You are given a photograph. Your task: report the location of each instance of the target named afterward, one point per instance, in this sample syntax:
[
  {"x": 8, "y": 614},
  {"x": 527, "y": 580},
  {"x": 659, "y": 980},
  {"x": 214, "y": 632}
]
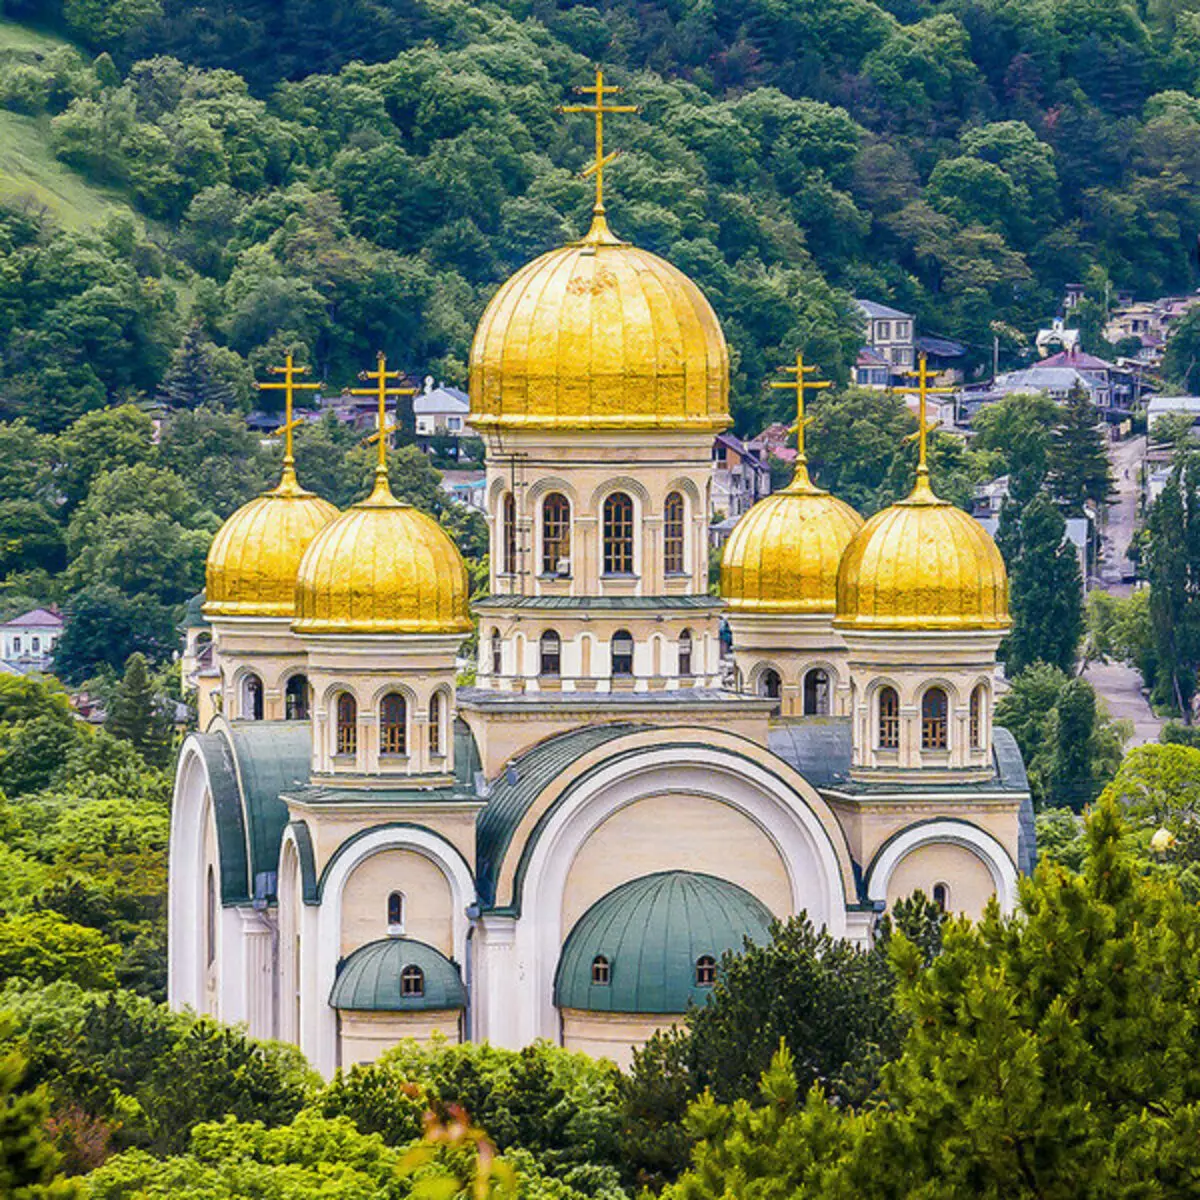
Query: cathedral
[{"x": 366, "y": 849}]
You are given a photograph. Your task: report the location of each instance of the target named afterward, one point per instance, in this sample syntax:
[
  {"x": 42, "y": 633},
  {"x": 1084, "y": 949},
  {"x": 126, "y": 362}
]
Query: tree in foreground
[
  {"x": 1080, "y": 471},
  {"x": 1049, "y": 1055}
]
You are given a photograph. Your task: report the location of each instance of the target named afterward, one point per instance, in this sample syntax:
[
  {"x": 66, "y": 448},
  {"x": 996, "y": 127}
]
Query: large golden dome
[
  {"x": 382, "y": 567},
  {"x": 922, "y": 564},
  {"x": 599, "y": 335},
  {"x": 783, "y": 555},
  {"x": 252, "y": 562}
]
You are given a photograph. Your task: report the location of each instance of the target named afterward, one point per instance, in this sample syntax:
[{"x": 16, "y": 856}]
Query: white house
[
  {"x": 28, "y": 640},
  {"x": 441, "y": 411}
]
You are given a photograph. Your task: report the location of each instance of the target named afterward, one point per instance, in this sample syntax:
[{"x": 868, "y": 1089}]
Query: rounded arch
[
  {"x": 251, "y": 692},
  {"x": 944, "y": 830},
  {"x": 822, "y": 701},
  {"x": 947, "y": 686},
  {"x": 398, "y": 686},
  {"x": 780, "y": 803},
  {"x": 545, "y": 484},
  {"x": 691, "y": 493},
  {"x": 621, "y": 483}
]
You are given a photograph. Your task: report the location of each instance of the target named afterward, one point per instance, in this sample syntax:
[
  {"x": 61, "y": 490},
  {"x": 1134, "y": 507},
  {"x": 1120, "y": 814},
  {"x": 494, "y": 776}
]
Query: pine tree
[
  {"x": 191, "y": 380},
  {"x": 1047, "y": 600},
  {"x": 1171, "y": 560},
  {"x": 1080, "y": 470},
  {"x": 136, "y": 716}
]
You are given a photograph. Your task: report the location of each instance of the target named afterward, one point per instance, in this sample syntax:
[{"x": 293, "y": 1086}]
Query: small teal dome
[
  {"x": 372, "y": 979},
  {"x": 651, "y": 933}
]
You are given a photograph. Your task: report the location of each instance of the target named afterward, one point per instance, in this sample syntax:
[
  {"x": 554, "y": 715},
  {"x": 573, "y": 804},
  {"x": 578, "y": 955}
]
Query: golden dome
[
  {"x": 252, "y": 562},
  {"x": 783, "y": 555},
  {"x": 599, "y": 335},
  {"x": 922, "y": 564},
  {"x": 382, "y": 567}
]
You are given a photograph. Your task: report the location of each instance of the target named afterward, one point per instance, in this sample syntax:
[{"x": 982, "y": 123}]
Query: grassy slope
[{"x": 28, "y": 168}]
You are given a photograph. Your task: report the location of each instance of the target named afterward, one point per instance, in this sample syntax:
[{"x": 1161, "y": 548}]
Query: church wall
[
  {"x": 611, "y": 1035},
  {"x": 428, "y": 904},
  {"x": 366, "y": 1035},
  {"x": 676, "y": 832},
  {"x": 210, "y": 928},
  {"x": 968, "y": 882},
  {"x": 262, "y": 646}
]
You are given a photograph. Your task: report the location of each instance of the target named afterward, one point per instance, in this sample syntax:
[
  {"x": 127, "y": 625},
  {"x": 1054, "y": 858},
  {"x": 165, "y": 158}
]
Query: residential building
[
  {"x": 441, "y": 411},
  {"x": 872, "y": 369},
  {"x": 28, "y": 641},
  {"x": 1057, "y": 337},
  {"x": 891, "y": 334},
  {"x": 741, "y": 476},
  {"x": 1112, "y": 386},
  {"x": 1161, "y": 406}
]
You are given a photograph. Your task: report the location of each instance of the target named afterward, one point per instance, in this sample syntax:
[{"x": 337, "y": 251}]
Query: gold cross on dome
[
  {"x": 382, "y": 393},
  {"x": 800, "y": 385},
  {"x": 924, "y": 428},
  {"x": 600, "y": 110},
  {"x": 289, "y": 386}
]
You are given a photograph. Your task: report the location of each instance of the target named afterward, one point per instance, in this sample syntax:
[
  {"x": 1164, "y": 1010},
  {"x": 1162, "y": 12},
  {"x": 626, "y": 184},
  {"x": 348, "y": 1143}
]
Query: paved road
[{"x": 1119, "y": 685}]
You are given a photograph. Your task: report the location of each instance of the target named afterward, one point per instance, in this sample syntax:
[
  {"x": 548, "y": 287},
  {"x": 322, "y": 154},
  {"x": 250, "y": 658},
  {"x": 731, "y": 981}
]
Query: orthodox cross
[
  {"x": 922, "y": 390},
  {"x": 800, "y": 385},
  {"x": 600, "y": 109},
  {"x": 289, "y": 387},
  {"x": 381, "y": 392}
]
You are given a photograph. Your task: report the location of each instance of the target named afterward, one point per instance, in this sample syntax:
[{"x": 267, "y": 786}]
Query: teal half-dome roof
[
  {"x": 651, "y": 932},
  {"x": 370, "y": 979}
]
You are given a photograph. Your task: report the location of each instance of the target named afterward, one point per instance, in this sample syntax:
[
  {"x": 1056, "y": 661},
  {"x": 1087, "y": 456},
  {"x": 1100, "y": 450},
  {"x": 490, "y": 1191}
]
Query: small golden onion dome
[
  {"x": 922, "y": 564},
  {"x": 382, "y": 567},
  {"x": 783, "y": 555},
  {"x": 252, "y": 562},
  {"x": 599, "y": 335}
]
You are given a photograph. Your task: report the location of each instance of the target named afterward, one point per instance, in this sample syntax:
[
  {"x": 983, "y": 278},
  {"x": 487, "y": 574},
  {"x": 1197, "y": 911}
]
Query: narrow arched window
[
  {"x": 934, "y": 732},
  {"x": 941, "y": 896},
  {"x": 685, "y": 654},
  {"x": 618, "y": 535},
  {"x": 601, "y": 971},
  {"x": 435, "y": 724},
  {"x": 395, "y": 912},
  {"x": 889, "y": 719},
  {"x": 210, "y": 926},
  {"x": 412, "y": 981},
  {"x": 977, "y": 718},
  {"x": 393, "y": 724},
  {"x": 551, "y": 654},
  {"x": 622, "y": 653},
  {"x": 295, "y": 698},
  {"x": 816, "y": 693},
  {"x": 706, "y": 970},
  {"x": 556, "y": 535},
  {"x": 673, "y": 538},
  {"x": 770, "y": 684},
  {"x": 347, "y": 724},
  {"x": 509, "y": 522},
  {"x": 252, "y": 698},
  {"x": 497, "y": 653}
]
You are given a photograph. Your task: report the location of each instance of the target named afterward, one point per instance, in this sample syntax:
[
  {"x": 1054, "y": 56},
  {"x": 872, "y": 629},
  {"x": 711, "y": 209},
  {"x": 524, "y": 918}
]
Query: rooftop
[
  {"x": 876, "y": 310},
  {"x": 35, "y": 618}
]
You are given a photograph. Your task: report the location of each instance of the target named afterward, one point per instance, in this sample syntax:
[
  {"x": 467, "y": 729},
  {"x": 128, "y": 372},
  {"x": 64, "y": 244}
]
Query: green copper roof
[
  {"x": 227, "y": 814},
  {"x": 370, "y": 979},
  {"x": 193, "y": 615},
  {"x": 516, "y": 790},
  {"x": 651, "y": 931}
]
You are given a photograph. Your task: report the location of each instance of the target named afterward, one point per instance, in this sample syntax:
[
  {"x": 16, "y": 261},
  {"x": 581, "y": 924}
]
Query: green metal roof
[
  {"x": 652, "y": 930},
  {"x": 514, "y": 792},
  {"x": 369, "y": 980},
  {"x": 193, "y": 615},
  {"x": 227, "y": 813},
  {"x": 597, "y": 603},
  {"x": 272, "y": 757}
]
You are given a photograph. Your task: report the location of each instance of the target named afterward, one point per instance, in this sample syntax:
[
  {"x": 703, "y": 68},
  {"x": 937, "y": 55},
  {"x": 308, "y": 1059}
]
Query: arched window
[
  {"x": 673, "y": 525},
  {"x": 210, "y": 927},
  {"x": 622, "y": 653},
  {"x": 497, "y": 653},
  {"x": 769, "y": 684},
  {"x": 435, "y": 724},
  {"x": 295, "y": 698},
  {"x": 685, "y": 654},
  {"x": 601, "y": 971},
  {"x": 556, "y": 535},
  {"x": 509, "y": 522},
  {"x": 934, "y": 732},
  {"x": 393, "y": 724},
  {"x": 706, "y": 970},
  {"x": 618, "y": 535},
  {"x": 551, "y": 654},
  {"x": 347, "y": 724},
  {"x": 412, "y": 981},
  {"x": 816, "y": 693},
  {"x": 889, "y": 719},
  {"x": 941, "y": 896},
  {"x": 395, "y": 912},
  {"x": 977, "y": 718},
  {"x": 252, "y": 698}
]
